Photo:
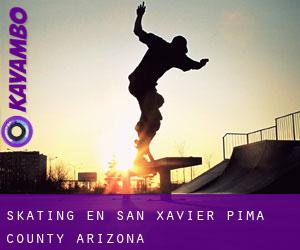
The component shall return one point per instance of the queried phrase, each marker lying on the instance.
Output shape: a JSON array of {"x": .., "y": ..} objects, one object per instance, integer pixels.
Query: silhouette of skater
[{"x": 159, "y": 58}]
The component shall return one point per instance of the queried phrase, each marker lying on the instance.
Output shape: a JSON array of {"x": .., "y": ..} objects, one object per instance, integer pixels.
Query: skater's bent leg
[
  {"x": 149, "y": 122},
  {"x": 149, "y": 131}
]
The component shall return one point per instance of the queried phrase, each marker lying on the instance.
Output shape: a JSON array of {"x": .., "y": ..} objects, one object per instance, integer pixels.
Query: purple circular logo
[{"x": 25, "y": 131}]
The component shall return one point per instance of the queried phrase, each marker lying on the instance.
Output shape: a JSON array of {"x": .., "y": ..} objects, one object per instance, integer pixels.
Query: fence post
[
  {"x": 261, "y": 136},
  {"x": 276, "y": 130},
  {"x": 224, "y": 147},
  {"x": 247, "y": 136},
  {"x": 293, "y": 122}
]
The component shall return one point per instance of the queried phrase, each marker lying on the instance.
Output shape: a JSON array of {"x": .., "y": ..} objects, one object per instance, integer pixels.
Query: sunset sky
[{"x": 80, "y": 53}]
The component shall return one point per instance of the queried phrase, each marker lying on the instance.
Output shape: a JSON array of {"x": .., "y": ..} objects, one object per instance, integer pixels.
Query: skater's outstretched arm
[
  {"x": 199, "y": 65},
  {"x": 138, "y": 29},
  {"x": 187, "y": 64}
]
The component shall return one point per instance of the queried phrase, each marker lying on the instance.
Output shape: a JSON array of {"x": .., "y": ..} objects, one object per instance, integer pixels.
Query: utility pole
[{"x": 75, "y": 166}]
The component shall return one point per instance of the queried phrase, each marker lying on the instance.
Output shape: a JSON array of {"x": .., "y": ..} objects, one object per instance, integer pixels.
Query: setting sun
[{"x": 118, "y": 144}]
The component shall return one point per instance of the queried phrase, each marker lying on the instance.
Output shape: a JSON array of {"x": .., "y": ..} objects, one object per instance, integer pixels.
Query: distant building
[
  {"x": 87, "y": 180},
  {"x": 87, "y": 176},
  {"x": 22, "y": 171}
]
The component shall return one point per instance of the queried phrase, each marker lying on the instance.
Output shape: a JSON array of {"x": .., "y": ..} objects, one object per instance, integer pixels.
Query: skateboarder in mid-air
[{"x": 159, "y": 58}]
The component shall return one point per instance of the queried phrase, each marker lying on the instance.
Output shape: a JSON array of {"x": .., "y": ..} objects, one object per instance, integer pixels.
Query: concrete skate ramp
[
  {"x": 261, "y": 167},
  {"x": 202, "y": 179}
]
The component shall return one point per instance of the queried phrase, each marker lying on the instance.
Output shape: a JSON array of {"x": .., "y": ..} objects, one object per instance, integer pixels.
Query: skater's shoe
[{"x": 150, "y": 156}]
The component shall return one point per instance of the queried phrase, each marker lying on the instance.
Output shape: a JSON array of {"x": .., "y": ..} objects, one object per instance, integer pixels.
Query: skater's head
[{"x": 179, "y": 43}]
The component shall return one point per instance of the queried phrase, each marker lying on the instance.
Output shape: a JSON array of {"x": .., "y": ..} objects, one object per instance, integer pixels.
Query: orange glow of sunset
[{"x": 118, "y": 144}]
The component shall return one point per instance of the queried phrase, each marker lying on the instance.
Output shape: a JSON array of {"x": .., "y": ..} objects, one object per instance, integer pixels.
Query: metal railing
[{"x": 286, "y": 127}]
